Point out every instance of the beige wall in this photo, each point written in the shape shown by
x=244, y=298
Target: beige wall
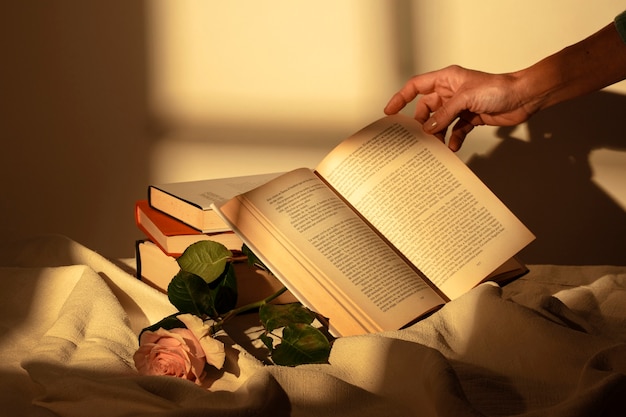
x=247, y=86
x=102, y=98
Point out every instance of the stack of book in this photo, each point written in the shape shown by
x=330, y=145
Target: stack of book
x=175, y=215
x=389, y=227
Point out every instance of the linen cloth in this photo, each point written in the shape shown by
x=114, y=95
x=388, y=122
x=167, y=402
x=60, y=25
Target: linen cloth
x=550, y=343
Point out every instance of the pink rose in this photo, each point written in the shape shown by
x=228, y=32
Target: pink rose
x=180, y=352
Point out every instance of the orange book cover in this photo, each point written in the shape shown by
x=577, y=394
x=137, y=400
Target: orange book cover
x=174, y=236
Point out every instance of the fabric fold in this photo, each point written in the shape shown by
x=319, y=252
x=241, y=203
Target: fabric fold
x=547, y=344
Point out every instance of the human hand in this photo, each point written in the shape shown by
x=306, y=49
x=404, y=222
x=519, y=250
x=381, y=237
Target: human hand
x=473, y=97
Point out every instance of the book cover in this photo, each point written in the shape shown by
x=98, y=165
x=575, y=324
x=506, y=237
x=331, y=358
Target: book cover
x=174, y=236
x=154, y=267
x=190, y=201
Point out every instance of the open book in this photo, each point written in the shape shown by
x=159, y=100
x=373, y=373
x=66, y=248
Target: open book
x=387, y=228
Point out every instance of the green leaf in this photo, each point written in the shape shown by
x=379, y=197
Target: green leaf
x=301, y=344
x=253, y=260
x=167, y=323
x=206, y=259
x=190, y=293
x=274, y=316
x=268, y=341
x=223, y=291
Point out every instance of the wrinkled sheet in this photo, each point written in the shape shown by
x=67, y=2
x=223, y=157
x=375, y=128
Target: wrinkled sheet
x=550, y=343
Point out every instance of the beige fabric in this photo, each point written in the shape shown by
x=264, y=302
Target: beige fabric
x=551, y=343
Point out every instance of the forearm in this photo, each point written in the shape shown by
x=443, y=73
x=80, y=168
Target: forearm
x=589, y=65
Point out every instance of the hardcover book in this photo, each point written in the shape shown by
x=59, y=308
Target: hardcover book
x=173, y=236
x=190, y=201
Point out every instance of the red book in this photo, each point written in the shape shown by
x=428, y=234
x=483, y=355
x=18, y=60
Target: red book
x=174, y=236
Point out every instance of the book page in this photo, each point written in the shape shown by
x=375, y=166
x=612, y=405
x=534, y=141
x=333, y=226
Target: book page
x=328, y=256
x=426, y=202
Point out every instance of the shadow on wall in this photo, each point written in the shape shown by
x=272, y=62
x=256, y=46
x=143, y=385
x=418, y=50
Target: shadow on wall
x=73, y=110
x=547, y=181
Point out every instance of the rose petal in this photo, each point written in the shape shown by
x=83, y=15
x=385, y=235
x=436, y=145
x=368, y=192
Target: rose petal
x=195, y=324
x=155, y=359
x=180, y=352
x=174, y=352
x=213, y=349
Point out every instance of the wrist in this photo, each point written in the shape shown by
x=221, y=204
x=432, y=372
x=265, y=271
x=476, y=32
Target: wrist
x=532, y=89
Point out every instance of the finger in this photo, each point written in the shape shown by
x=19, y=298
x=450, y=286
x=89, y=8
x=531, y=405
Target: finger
x=459, y=132
x=427, y=105
x=441, y=136
x=471, y=117
x=418, y=84
x=395, y=104
x=399, y=100
x=445, y=115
